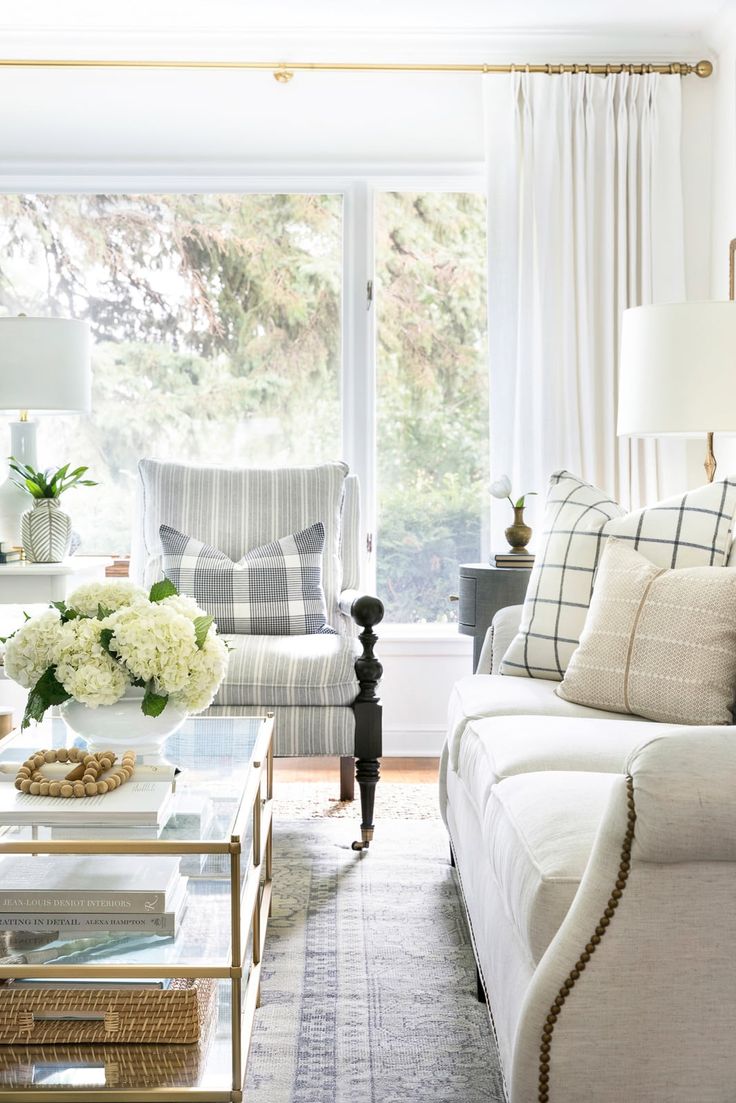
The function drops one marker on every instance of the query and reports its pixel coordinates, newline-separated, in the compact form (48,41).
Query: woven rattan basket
(109,1066)
(176,1015)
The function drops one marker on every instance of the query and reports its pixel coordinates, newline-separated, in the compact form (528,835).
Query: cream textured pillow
(658,643)
(690,530)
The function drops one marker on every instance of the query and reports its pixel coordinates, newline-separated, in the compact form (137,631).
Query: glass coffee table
(221,827)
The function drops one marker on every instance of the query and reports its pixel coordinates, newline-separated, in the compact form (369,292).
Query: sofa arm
(647,928)
(503,628)
(683,792)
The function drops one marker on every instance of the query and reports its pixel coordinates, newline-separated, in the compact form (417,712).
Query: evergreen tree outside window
(218,331)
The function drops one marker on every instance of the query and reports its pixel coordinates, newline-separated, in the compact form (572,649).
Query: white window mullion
(359,364)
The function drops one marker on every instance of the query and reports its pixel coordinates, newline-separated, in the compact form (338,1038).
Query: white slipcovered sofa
(597,858)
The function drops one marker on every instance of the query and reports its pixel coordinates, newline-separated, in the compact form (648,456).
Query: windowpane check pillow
(657,643)
(274,590)
(692,529)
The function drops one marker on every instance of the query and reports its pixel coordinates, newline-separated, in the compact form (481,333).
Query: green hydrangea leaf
(106,636)
(153,703)
(201,628)
(103,611)
(47,691)
(162,589)
(67,613)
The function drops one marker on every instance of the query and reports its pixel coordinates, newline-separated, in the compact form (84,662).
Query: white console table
(41,583)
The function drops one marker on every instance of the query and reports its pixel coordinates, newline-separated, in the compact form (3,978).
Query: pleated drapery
(585,219)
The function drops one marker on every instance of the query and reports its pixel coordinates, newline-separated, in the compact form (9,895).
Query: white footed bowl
(122,726)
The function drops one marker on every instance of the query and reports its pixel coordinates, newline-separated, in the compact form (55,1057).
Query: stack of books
(8,553)
(514,559)
(119,567)
(91,894)
(145,801)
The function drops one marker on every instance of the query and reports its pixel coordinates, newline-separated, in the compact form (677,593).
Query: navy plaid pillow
(689,530)
(274,590)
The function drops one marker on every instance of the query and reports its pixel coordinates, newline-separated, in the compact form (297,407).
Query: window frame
(359,190)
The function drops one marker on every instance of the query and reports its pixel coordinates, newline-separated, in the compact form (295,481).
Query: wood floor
(407,771)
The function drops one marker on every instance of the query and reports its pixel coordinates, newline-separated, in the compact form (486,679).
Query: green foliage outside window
(432,395)
(217,328)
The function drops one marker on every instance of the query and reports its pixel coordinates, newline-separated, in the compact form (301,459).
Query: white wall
(714,212)
(419,672)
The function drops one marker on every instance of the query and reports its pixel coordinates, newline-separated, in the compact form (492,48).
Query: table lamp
(678,372)
(44,369)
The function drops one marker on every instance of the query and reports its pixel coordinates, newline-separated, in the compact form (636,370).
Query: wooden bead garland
(82,781)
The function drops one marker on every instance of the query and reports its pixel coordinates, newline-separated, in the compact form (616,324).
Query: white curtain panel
(584,219)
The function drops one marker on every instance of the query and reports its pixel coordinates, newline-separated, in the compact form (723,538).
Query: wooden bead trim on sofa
(602,926)
(84,780)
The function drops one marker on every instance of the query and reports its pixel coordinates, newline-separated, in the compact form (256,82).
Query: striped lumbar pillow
(690,530)
(274,590)
(657,643)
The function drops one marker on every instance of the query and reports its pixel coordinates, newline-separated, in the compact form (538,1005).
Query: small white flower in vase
(519,533)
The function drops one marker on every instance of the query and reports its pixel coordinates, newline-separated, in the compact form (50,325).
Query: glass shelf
(222,800)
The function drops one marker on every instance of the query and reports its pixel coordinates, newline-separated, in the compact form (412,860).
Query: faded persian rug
(368,984)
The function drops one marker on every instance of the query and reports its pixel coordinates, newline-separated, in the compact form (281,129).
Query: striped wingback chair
(320,687)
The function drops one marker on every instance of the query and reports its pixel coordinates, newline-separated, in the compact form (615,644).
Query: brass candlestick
(710,459)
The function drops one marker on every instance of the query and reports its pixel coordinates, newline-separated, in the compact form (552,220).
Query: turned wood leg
(367,772)
(347,777)
(367,612)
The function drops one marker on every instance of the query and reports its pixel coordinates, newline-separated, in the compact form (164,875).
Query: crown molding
(720,33)
(342,43)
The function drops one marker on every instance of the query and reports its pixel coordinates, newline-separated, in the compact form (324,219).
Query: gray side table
(484,589)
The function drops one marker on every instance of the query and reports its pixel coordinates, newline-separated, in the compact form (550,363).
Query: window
(219,331)
(432,397)
(216,321)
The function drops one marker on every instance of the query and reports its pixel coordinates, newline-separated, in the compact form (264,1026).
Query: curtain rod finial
(704,68)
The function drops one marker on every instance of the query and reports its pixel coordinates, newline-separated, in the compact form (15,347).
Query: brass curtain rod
(283,71)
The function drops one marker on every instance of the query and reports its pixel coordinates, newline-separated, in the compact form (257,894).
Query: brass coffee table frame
(251,902)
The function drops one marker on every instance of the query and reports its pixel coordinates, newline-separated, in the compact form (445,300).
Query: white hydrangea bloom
(33,649)
(112,595)
(155,641)
(207,672)
(182,603)
(150,641)
(85,669)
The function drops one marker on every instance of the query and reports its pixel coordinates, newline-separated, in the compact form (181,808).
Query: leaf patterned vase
(46,532)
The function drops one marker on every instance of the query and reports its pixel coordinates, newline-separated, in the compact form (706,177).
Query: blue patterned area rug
(368,984)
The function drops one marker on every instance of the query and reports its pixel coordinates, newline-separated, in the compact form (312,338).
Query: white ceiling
(359,16)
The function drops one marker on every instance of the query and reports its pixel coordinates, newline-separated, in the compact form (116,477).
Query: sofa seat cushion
(481,695)
(299,730)
(506,746)
(539,830)
(290,670)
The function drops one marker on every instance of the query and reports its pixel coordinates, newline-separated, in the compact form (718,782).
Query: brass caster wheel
(366,839)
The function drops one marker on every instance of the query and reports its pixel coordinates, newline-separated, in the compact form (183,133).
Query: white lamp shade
(678,370)
(44,365)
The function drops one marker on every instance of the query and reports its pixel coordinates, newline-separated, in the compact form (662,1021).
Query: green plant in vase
(46,529)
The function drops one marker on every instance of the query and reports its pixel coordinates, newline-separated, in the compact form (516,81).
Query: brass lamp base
(710,459)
